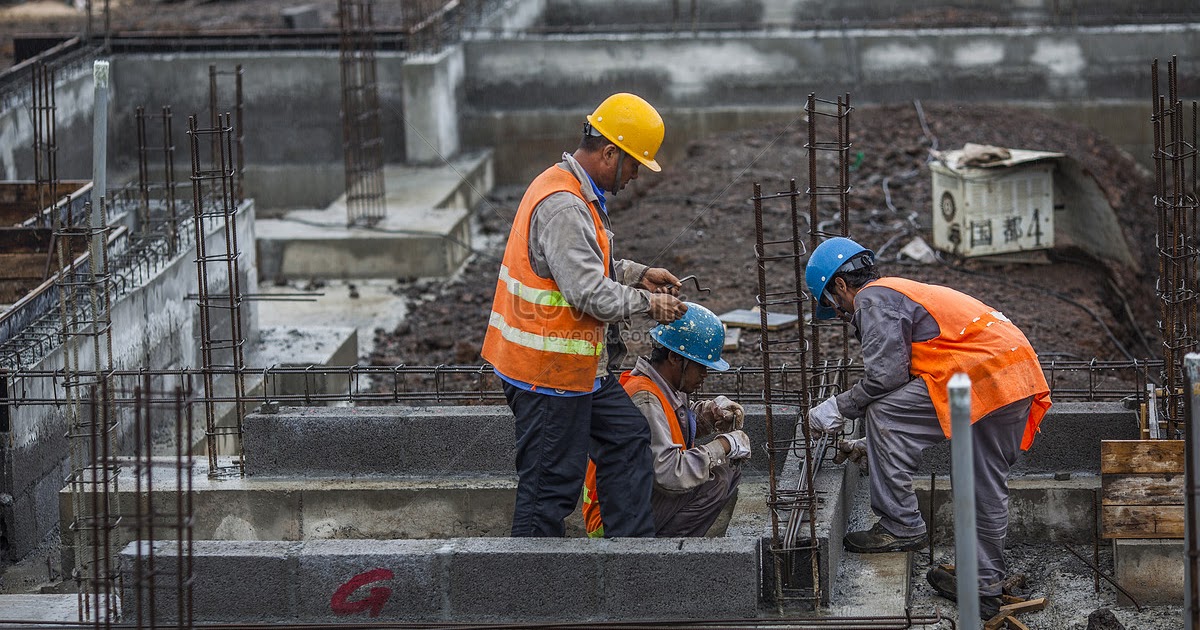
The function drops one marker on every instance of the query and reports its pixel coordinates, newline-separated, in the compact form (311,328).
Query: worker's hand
(666,308)
(659,280)
(739,444)
(725,414)
(853,450)
(825,417)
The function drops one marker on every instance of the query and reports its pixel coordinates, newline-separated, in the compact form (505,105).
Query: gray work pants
(901,425)
(692,513)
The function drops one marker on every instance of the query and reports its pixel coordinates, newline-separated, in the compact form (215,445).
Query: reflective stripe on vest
(591,500)
(976,339)
(534,335)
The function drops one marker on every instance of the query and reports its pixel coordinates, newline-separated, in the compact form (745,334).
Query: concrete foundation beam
(1040,508)
(453,440)
(458,579)
(1069,440)
(1151,570)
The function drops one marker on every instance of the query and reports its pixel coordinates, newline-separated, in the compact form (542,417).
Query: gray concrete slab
(500,579)
(424,233)
(319,442)
(365,305)
(1041,508)
(1151,570)
(33,608)
(293,346)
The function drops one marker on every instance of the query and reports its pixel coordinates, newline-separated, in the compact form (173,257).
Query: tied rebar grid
(362,136)
(219,295)
(161,195)
(780,272)
(85,296)
(161,526)
(1176,204)
(1087,381)
(214,110)
(45,135)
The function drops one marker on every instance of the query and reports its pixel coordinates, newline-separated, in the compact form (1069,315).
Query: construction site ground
(697,218)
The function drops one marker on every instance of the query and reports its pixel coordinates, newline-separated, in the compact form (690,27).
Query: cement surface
(868,584)
(378,305)
(1151,570)
(29,608)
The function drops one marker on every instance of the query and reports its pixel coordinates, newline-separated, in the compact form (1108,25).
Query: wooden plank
(743,318)
(1139,521)
(1015,624)
(22,266)
(1122,457)
(1142,489)
(1029,605)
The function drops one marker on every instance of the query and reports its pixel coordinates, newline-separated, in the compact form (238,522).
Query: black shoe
(879,540)
(945,583)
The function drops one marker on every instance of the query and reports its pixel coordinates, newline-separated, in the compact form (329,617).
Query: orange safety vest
(983,343)
(591,502)
(533,334)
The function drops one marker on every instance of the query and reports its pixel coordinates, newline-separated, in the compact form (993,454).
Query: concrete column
(433,85)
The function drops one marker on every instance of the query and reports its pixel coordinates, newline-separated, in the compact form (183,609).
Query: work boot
(879,540)
(945,583)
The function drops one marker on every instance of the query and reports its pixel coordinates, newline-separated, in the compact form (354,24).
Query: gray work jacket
(886,323)
(563,246)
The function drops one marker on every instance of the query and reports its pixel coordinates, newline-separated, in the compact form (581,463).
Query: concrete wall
(73,102)
(459,580)
(454,440)
(432,87)
(153,325)
(538,88)
(617,14)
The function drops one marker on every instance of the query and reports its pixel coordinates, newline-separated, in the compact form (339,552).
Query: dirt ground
(696,217)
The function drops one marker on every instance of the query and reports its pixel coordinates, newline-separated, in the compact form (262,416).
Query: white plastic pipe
(962,474)
(99,159)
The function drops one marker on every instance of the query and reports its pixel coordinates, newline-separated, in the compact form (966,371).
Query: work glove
(724,414)
(825,417)
(853,450)
(739,444)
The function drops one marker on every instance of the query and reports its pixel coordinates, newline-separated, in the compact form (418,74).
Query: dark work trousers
(901,425)
(692,513)
(556,435)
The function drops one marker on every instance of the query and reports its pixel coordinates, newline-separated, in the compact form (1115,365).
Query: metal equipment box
(998,209)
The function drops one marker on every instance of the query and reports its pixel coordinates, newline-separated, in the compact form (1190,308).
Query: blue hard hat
(698,336)
(834,255)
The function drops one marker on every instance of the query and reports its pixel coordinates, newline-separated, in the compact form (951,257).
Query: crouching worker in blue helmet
(694,479)
(914,338)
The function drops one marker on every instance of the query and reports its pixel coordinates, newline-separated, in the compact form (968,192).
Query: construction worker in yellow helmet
(552,334)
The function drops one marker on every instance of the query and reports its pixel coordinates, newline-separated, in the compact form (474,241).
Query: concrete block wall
(1069,440)
(414,441)
(459,580)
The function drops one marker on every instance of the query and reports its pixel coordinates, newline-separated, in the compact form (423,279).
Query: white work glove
(726,414)
(739,444)
(825,417)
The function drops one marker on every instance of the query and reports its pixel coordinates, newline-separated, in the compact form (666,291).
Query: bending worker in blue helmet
(914,337)
(693,479)
(551,334)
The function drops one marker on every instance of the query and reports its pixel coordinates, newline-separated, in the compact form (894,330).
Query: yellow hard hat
(631,123)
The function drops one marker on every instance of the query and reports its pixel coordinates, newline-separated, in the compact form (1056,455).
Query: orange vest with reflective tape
(533,334)
(591,502)
(983,343)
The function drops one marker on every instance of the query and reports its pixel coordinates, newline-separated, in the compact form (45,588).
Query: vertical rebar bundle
(85,294)
(1175,202)
(781,290)
(45,135)
(362,135)
(219,294)
(155,213)
(823,150)
(154,520)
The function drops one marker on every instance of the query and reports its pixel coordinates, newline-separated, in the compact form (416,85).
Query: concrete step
(292,346)
(34,608)
(869,584)
(425,231)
